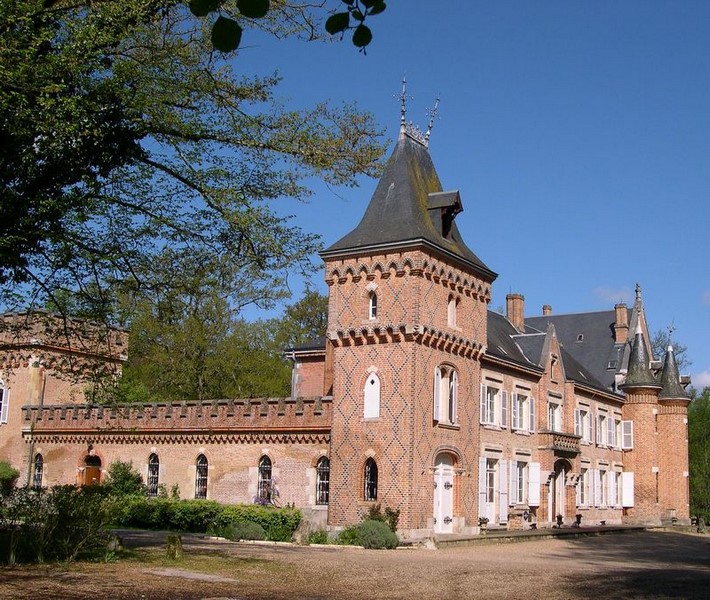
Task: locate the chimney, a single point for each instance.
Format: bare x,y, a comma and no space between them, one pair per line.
546,310
621,324
515,310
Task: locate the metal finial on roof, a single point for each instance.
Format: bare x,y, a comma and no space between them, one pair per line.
638,292
433,113
402,96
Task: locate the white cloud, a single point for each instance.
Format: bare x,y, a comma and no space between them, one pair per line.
611,295
706,298
701,380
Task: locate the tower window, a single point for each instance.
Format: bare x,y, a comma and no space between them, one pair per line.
452,309
370,492
38,472
372,396
446,384
372,310
264,485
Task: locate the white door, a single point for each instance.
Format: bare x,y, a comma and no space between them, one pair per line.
444,495
492,479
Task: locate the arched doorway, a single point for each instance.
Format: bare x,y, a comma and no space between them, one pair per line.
92,470
444,494
557,498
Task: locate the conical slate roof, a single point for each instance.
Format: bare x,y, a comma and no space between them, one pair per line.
409,206
670,379
639,372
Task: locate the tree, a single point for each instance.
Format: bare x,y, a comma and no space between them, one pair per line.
699,453
659,345
305,320
124,139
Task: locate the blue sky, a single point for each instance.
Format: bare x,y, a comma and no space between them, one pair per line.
577,132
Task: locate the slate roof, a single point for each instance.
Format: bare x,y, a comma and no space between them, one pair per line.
670,378
596,351
408,206
501,340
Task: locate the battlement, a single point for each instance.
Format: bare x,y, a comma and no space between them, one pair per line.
271,415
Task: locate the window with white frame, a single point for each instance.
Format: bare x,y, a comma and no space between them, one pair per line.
494,405
617,431
583,487
619,487
519,482
602,487
627,435
523,417
602,429
446,384
372,396
583,424
491,480
554,415
4,402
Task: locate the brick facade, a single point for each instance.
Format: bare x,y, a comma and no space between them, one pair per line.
468,416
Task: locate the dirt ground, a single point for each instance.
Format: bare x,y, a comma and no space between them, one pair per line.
630,565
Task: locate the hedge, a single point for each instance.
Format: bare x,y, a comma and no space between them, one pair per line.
202,516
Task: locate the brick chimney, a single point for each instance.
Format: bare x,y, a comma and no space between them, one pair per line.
515,310
546,310
621,324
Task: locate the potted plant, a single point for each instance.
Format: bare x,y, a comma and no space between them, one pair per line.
483,523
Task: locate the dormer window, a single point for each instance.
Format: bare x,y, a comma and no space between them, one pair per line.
372,306
443,208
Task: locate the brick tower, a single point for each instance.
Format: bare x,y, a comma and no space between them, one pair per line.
641,407
673,403
406,330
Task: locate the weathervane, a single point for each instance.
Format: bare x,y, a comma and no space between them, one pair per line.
409,129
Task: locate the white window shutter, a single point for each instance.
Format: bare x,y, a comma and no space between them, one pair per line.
531,400
503,485
482,504
627,435
516,408
609,431
593,500
504,408
590,427
577,422
437,393
4,404
627,489
483,403
513,483
454,399
534,484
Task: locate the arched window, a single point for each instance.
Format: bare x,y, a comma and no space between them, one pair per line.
322,480
370,492
451,311
201,477
153,475
446,386
264,485
38,471
372,396
372,310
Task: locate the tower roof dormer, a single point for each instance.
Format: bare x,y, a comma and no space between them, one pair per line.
410,208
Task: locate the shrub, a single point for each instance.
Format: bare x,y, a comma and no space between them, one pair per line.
376,534
390,516
8,477
350,536
318,537
124,480
243,531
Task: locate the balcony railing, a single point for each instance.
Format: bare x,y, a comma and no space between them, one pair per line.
561,442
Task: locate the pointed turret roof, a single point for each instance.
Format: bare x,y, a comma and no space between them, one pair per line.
670,378
409,208
639,372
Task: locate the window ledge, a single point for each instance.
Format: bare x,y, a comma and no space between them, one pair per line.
491,427
522,432
371,419
454,426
